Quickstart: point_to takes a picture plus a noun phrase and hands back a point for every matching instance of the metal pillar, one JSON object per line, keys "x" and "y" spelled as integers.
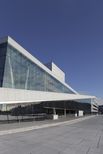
{"x": 7, "y": 114}
{"x": 54, "y": 111}
{"x": 65, "y": 114}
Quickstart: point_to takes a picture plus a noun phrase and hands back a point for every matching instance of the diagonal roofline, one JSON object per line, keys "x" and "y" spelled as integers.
{"x": 27, "y": 54}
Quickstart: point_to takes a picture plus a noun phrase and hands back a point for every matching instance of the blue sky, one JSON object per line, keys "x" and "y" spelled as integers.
{"x": 69, "y": 32}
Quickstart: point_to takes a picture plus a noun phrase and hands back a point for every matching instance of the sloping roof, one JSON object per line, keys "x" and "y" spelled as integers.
{"x": 32, "y": 58}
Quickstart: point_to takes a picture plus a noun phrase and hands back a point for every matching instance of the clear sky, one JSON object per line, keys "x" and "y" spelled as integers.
{"x": 69, "y": 32}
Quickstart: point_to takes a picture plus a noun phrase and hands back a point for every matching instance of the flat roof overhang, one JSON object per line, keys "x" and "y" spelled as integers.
{"x": 18, "y": 96}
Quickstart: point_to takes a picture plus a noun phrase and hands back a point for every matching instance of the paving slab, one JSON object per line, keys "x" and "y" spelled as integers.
{"x": 82, "y": 137}
{"x": 22, "y": 127}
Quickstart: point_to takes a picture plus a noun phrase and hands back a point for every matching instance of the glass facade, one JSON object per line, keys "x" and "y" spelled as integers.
{"x": 84, "y": 101}
{"x": 3, "y": 49}
{"x": 21, "y": 73}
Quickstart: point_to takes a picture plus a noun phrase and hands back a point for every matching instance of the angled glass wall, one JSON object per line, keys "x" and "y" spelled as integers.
{"x": 3, "y": 49}
{"x": 21, "y": 73}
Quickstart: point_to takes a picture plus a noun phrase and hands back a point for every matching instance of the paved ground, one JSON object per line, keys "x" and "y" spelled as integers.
{"x": 85, "y": 137}
{"x": 9, "y": 126}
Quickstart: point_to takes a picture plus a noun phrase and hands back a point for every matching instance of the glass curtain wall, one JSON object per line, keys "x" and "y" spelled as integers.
{"x": 21, "y": 73}
{"x": 3, "y": 49}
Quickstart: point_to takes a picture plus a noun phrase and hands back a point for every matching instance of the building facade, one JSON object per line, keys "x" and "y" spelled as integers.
{"x": 24, "y": 80}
